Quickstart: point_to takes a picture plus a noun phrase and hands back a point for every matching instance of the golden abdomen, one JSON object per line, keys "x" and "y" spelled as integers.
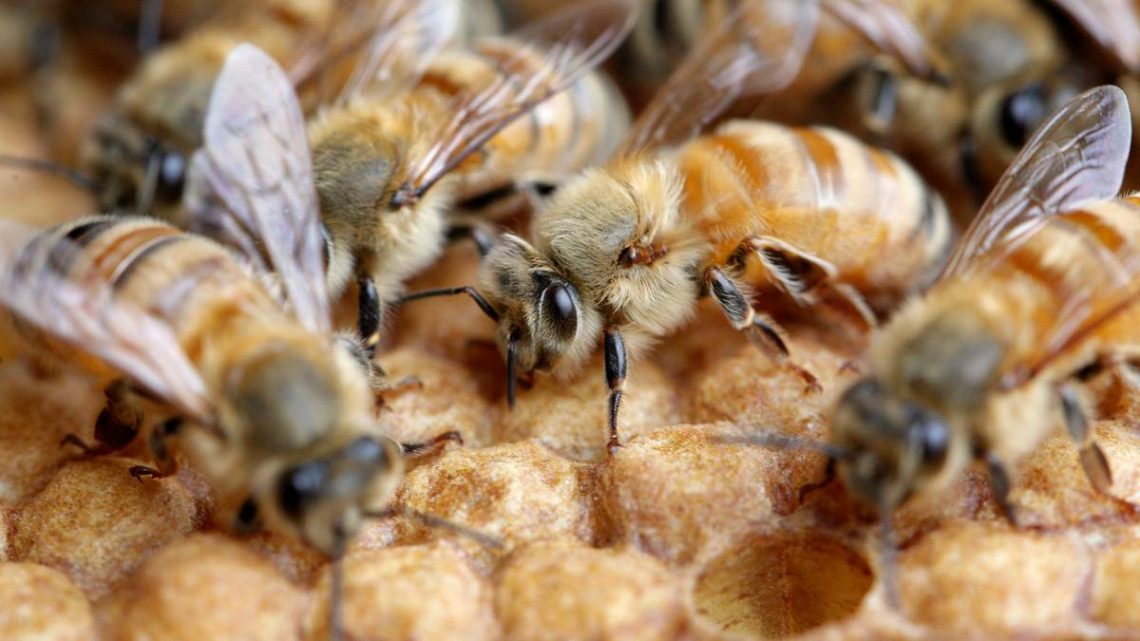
{"x": 819, "y": 190}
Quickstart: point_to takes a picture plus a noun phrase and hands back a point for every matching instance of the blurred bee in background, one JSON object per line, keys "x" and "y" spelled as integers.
{"x": 623, "y": 252}
{"x": 1043, "y": 285}
{"x": 394, "y": 159}
{"x": 136, "y": 157}
{"x": 268, "y": 403}
{"x": 849, "y": 33}
{"x": 1012, "y": 63}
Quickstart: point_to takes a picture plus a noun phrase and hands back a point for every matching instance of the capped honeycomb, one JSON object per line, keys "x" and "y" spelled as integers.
{"x": 676, "y": 536}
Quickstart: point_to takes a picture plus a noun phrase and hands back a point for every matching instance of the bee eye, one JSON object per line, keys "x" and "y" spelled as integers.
{"x": 299, "y": 485}
{"x": 1021, "y": 112}
{"x": 367, "y": 450}
{"x": 171, "y": 172}
{"x": 934, "y": 436}
{"x": 559, "y": 310}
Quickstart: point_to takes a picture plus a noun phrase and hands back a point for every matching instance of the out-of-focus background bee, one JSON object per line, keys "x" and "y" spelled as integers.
{"x": 1043, "y": 286}
{"x": 623, "y": 252}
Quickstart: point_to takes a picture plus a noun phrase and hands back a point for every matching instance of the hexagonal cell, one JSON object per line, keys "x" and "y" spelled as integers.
{"x": 776, "y": 584}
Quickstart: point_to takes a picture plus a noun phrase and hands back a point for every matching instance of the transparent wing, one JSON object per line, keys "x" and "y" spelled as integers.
{"x": 86, "y": 314}
{"x": 1114, "y": 24}
{"x": 887, "y": 27}
{"x": 1079, "y": 154}
{"x": 407, "y": 38}
{"x": 757, "y": 49}
{"x": 251, "y": 184}
{"x": 575, "y": 40}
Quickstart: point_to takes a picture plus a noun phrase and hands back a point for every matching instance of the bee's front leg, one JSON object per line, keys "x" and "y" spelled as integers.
{"x": 117, "y": 425}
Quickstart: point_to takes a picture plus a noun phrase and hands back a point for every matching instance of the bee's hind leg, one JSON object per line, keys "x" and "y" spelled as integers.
{"x": 427, "y": 448}
{"x": 1092, "y": 458}
{"x": 159, "y": 444}
{"x": 760, "y": 329}
{"x": 806, "y": 278}
{"x": 117, "y": 425}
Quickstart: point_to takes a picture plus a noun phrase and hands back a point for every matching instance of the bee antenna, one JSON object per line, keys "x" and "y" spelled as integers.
{"x": 783, "y": 442}
{"x": 150, "y": 26}
{"x": 74, "y": 176}
{"x": 433, "y": 521}
{"x": 511, "y": 383}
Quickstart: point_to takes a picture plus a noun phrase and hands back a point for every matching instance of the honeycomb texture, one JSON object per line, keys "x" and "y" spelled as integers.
{"x": 674, "y": 537}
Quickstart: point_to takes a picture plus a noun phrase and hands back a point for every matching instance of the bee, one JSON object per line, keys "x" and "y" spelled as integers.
{"x": 267, "y": 401}
{"x": 1043, "y": 285}
{"x": 137, "y": 155}
{"x": 393, "y": 162}
{"x": 624, "y": 251}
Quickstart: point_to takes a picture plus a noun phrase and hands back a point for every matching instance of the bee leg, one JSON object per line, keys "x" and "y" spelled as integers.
{"x": 888, "y": 554}
{"x": 803, "y": 276}
{"x": 616, "y": 369}
{"x": 828, "y": 476}
{"x": 428, "y": 448}
{"x": 248, "y": 518}
{"x": 1092, "y": 458}
{"x": 117, "y": 425}
{"x": 760, "y": 329}
{"x": 479, "y": 231}
{"x": 368, "y": 305}
{"x": 158, "y": 442}
{"x": 999, "y": 482}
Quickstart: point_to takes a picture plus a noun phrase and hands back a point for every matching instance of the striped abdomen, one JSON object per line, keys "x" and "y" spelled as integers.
{"x": 825, "y": 193}
{"x": 1078, "y": 267}
{"x": 577, "y": 128}
{"x": 192, "y": 284}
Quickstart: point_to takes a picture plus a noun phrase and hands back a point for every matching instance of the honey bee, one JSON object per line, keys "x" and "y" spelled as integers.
{"x": 268, "y": 402}
{"x": 623, "y": 252}
{"x": 392, "y": 162}
{"x": 137, "y": 154}
{"x": 1042, "y": 285}
{"x": 1011, "y": 66}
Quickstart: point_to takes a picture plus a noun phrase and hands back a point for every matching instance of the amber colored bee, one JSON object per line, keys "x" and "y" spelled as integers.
{"x": 394, "y": 160}
{"x": 137, "y": 155}
{"x": 1043, "y": 285}
{"x": 621, "y": 253}
{"x": 268, "y": 402}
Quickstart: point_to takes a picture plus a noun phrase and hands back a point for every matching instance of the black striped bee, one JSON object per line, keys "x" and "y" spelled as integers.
{"x": 268, "y": 403}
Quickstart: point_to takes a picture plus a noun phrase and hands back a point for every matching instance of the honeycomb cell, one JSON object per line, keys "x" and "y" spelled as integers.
{"x": 677, "y": 495}
{"x": 97, "y": 523}
{"x": 206, "y": 586}
{"x": 781, "y": 583}
{"x": 407, "y": 593}
{"x": 564, "y": 590}
{"x": 43, "y": 604}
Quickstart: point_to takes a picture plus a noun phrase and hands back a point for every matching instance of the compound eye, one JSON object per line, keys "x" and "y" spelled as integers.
{"x": 560, "y": 310}
{"x": 1021, "y": 112}
{"x": 171, "y": 174}
{"x": 366, "y": 450}
{"x": 300, "y": 485}
{"x": 935, "y": 437}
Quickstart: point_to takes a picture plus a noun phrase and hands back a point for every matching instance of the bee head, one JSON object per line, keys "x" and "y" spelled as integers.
{"x": 132, "y": 170}
{"x": 324, "y": 499}
{"x": 892, "y": 444}
{"x": 543, "y": 318}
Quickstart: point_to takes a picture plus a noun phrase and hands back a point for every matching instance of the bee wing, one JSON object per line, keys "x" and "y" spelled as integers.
{"x": 398, "y": 51}
{"x": 1078, "y": 154}
{"x": 1114, "y": 24}
{"x": 86, "y": 314}
{"x": 758, "y": 48}
{"x": 888, "y": 27}
{"x": 576, "y": 39}
{"x": 251, "y": 184}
